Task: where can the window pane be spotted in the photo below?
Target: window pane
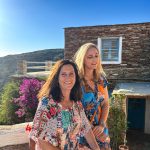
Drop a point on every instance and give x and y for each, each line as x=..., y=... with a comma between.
x=110, y=49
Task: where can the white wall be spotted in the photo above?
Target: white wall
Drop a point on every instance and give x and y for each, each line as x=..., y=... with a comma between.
x=147, y=116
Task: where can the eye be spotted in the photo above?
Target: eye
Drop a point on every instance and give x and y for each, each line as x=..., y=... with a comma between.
x=63, y=74
x=71, y=74
x=90, y=57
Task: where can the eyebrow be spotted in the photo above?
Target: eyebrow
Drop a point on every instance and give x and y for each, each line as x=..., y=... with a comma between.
x=92, y=55
x=69, y=72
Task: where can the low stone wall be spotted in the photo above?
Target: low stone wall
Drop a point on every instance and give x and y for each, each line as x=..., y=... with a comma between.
x=14, y=137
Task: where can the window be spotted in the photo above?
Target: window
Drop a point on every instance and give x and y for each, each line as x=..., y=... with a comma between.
x=110, y=50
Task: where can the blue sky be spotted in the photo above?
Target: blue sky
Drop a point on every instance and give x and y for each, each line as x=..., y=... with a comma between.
x=30, y=25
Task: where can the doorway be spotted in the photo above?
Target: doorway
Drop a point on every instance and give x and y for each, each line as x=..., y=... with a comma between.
x=136, y=114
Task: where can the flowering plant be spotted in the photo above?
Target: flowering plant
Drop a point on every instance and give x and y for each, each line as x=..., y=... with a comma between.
x=28, y=128
x=28, y=101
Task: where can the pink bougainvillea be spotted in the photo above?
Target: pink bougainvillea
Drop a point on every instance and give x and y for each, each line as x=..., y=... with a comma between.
x=28, y=101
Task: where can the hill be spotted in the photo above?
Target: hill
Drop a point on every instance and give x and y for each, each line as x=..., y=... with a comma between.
x=8, y=64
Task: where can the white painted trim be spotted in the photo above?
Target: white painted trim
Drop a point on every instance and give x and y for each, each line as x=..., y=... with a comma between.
x=99, y=45
x=120, y=50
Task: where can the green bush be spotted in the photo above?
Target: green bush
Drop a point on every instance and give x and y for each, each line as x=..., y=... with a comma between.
x=117, y=120
x=7, y=106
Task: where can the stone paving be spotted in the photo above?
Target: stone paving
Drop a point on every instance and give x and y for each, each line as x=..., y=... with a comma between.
x=138, y=140
x=15, y=138
x=16, y=147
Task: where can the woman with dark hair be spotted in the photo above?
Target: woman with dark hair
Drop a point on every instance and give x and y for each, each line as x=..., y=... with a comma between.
x=60, y=120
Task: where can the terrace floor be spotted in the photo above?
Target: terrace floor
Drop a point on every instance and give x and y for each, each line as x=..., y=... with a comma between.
x=18, y=140
x=137, y=140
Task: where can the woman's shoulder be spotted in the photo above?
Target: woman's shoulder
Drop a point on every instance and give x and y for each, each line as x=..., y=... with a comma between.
x=51, y=107
x=48, y=101
x=78, y=105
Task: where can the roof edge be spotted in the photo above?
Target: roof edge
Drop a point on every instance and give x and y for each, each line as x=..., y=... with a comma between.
x=108, y=25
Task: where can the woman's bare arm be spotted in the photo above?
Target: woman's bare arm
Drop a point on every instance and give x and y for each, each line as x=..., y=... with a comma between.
x=105, y=106
x=91, y=140
x=31, y=144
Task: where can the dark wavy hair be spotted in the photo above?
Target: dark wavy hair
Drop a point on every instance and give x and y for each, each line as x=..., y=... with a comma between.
x=51, y=86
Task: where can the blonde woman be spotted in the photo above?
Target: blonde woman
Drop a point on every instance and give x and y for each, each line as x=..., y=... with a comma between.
x=95, y=93
x=60, y=119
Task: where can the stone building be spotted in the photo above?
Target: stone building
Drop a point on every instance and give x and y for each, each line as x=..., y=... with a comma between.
x=125, y=55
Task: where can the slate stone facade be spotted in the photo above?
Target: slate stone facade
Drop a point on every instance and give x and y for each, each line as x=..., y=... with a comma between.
x=135, y=65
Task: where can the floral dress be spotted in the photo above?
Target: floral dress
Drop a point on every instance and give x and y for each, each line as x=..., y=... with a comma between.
x=60, y=127
x=96, y=109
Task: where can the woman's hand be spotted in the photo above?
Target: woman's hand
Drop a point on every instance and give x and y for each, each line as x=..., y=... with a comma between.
x=97, y=130
x=83, y=148
x=91, y=140
x=44, y=145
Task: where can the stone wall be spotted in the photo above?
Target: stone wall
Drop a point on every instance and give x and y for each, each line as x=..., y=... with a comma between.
x=14, y=137
x=135, y=48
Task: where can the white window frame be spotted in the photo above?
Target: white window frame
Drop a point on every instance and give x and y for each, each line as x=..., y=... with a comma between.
x=120, y=50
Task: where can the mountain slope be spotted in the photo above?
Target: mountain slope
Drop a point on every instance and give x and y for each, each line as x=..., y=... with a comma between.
x=8, y=64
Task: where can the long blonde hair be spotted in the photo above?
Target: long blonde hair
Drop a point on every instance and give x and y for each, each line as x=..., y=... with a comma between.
x=79, y=60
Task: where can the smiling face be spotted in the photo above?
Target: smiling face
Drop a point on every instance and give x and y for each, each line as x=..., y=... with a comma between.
x=67, y=78
x=91, y=59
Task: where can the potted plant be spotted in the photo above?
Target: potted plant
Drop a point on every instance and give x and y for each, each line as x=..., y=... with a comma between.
x=117, y=121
